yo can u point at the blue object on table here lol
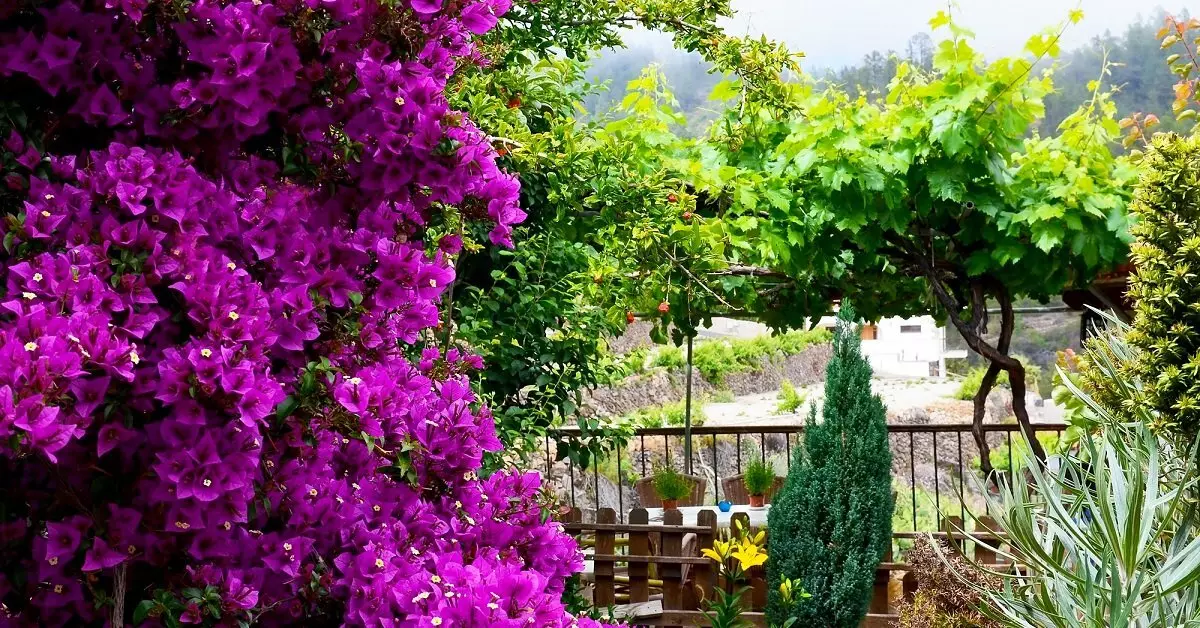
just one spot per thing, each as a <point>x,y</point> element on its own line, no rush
<point>724,505</point>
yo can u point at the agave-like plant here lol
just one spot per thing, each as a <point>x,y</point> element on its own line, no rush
<point>1104,534</point>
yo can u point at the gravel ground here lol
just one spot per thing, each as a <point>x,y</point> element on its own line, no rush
<point>898,395</point>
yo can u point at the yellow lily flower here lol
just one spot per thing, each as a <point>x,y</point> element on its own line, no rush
<point>749,555</point>
<point>720,551</point>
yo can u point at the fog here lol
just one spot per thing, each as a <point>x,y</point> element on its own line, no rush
<point>833,33</point>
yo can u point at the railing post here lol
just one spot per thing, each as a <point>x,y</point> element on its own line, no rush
<point>879,590</point>
<point>620,486</point>
<point>604,595</point>
<point>672,573</point>
<point>704,573</point>
<point>953,527</point>
<point>986,529</point>
<point>639,545</point>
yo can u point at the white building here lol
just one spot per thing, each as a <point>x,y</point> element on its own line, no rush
<point>906,347</point>
<point>909,347</point>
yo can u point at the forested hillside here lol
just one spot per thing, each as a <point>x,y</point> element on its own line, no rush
<point>1136,67</point>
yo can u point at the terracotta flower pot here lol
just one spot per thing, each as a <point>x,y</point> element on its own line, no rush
<point>757,501</point>
<point>670,504</point>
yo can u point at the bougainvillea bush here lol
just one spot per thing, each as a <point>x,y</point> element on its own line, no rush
<point>226,229</point>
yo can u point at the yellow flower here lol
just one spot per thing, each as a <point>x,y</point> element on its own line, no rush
<point>785,590</point>
<point>749,555</point>
<point>720,550</point>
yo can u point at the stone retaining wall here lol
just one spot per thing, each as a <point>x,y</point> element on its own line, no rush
<point>806,367</point>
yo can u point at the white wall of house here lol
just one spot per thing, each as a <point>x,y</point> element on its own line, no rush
<point>906,347</point>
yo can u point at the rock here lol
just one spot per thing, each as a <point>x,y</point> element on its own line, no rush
<point>999,405</point>
<point>913,416</point>
<point>658,387</point>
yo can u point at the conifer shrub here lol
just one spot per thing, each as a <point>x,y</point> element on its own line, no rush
<point>831,523</point>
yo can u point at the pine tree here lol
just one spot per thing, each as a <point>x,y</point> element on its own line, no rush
<point>832,522</point>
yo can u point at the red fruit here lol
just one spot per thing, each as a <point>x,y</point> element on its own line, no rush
<point>687,215</point>
<point>664,307</point>
<point>514,102</point>
<point>671,198</point>
<point>629,317</point>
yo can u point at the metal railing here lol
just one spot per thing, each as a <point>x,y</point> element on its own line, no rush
<point>951,450</point>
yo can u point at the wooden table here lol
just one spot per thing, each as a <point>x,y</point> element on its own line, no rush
<point>758,516</point>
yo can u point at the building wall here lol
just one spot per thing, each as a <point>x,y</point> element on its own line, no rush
<point>909,347</point>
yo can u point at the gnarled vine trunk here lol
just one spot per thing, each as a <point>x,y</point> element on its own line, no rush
<point>972,331</point>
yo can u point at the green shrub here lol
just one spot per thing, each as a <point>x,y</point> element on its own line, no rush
<point>831,523</point>
<point>722,396</point>
<point>670,484</point>
<point>715,359</point>
<point>1165,287</point>
<point>750,353</point>
<point>670,358</point>
<point>666,415</point>
<point>790,399</point>
<point>618,367</point>
<point>794,342</point>
<point>606,464</point>
<point>974,379</point>
<point>1020,451</point>
<point>759,476</point>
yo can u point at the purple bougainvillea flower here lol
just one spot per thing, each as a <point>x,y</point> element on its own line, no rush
<point>210,317</point>
<point>101,556</point>
<point>427,6</point>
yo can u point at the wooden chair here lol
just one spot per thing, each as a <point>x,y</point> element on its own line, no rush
<point>649,499</point>
<point>734,489</point>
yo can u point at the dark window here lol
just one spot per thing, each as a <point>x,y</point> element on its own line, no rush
<point>910,329</point>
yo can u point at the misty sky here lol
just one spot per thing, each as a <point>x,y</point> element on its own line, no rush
<point>833,33</point>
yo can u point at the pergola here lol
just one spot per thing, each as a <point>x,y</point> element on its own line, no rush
<point>1109,291</point>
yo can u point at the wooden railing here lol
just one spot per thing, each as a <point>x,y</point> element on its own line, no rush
<point>654,574</point>
<point>661,558</point>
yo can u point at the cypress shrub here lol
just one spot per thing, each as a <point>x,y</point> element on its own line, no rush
<point>832,522</point>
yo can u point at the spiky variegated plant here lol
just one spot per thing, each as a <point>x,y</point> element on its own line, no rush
<point>1106,534</point>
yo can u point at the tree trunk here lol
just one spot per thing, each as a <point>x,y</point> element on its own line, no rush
<point>981,395</point>
<point>1016,377</point>
<point>972,331</point>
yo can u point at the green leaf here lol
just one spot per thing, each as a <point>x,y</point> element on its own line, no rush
<point>804,160</point>
<point>725,90</point>
<point>142,611</point>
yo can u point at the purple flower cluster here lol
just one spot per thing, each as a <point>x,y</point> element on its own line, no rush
<point>216,279</point>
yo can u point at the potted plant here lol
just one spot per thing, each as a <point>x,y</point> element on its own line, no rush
<point>670,486</point>
<point>759,478</point>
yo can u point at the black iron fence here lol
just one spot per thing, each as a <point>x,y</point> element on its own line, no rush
<point>935,464</point>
